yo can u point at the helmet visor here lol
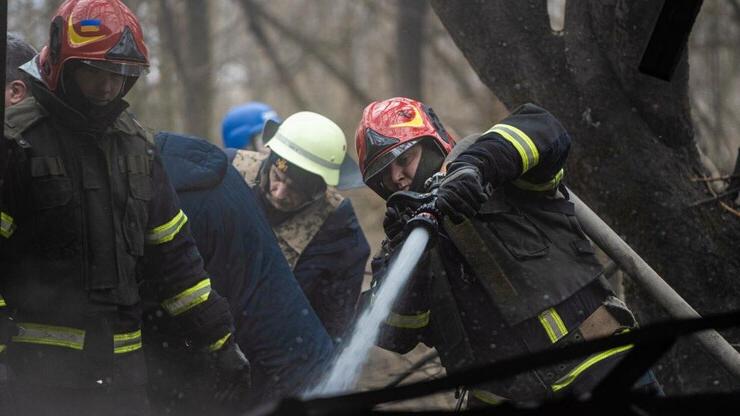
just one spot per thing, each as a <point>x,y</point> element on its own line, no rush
<point>125,69</point>
<point>382,162</point>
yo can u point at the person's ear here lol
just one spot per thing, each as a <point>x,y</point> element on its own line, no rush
<point>18,91</point>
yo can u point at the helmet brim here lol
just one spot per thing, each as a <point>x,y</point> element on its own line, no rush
<point>120,68</point>
<point>382,162</point>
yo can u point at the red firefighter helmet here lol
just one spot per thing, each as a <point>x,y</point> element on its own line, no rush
<point>390,127</point>
<point>101,33</point>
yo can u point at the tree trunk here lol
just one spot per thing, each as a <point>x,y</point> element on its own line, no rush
<point>633,145</point>
<point>198,85</point>
<point>409,40</point>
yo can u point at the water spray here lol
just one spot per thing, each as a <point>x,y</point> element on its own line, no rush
<point>421,228</point>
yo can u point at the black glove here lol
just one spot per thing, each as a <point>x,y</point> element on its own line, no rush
<point>461,193</point>
<point>233,373</point>
<point>394,223</point>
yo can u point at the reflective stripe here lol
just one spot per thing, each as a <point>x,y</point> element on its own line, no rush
<point>2,302</point>
<point>553,325</point>
<point>305,153</point>
<point>567,379</point>
<point>408,321</point>
<point>220,343</point>
<point>59,336</point>
<point>7,226</point>
<point>487,397</point>
<point>126,342</point>
<point>539,187</point>
<point>523,144</point>
<point>168,231</point>
<point>188,299</point>
<point>2,348</point>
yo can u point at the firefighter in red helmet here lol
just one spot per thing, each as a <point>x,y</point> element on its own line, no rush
<point>511,272</point>
<point>92,229</point>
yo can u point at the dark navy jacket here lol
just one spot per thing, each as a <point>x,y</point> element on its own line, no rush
<point>275,325</point>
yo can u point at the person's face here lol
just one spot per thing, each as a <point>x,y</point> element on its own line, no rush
<point>15,92</point>
<point>399,175</point>
<point>98,86</point>
<point>282,193</point>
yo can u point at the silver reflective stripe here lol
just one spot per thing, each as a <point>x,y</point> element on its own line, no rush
<point>308,155</point>
<point>7,226</point>
<point>59,336</point>
<point>553,325</point>
<point>126,342</point>
<point>188,299</point>
<point>166,232</point>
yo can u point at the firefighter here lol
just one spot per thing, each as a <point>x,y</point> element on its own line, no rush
<point>241,127</point>
<point>512,272</point>
<point>316,227</point>
<point>92,228</point>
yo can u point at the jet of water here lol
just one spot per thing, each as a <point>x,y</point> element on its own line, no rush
<point>346,368</point>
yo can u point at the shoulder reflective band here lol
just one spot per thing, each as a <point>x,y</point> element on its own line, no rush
<point>523,144</point>
<point>553,325</point>
<point>188,299</point>
<point>540,187</point>
<point>220,343</point>
<point>408,321</point>
<point>305,153</point>
<point>7,226</point>
<point>487,397</point>
<point>166,232</point>
<point>567,379</point>
<point>126,342</point>
<point>59,336</point>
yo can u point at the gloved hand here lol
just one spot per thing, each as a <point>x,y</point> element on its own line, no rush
<point>461,193</point>
<point>233,372</point>
<point>394,223</point>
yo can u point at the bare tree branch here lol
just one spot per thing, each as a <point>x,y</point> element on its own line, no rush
<point>310,46</point>
<point>255,27</point>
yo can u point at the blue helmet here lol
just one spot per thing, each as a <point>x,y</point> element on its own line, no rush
<point>245,121</point>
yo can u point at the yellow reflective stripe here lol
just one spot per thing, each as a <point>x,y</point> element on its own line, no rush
<point>126,342</point>
<point>188,298</point>
<point>523,144</point>
<point>59,336</point>
<point>408,321</point>
<point>539,187</point>
<point>220,343</point>
<point>567,379</point>
<point>2,348</point>
<point>487,397</point>
<point>2,302</point>
<point>7,226</point>
<point>166,232</point>
<point>553,325</point>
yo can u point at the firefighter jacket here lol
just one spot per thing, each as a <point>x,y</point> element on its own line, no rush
<point>91,227</point>
<point>518,277</point>
<point>325,247</point>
